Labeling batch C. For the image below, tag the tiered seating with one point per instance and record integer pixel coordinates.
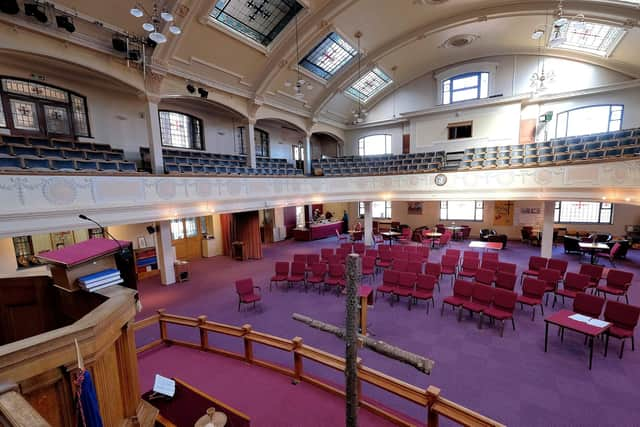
(388, 164)
(202, 162)
(603, 146)
(47, 155)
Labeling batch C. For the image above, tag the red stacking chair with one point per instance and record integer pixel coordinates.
(506, 280)
(550, 278)
(348, 247)
(405, 286)
(454, 253)
(470, 254)
(342, 253)
(359, 248)
(410, 249)
(414, 267)
(489, 264)
(588, 305)
(246, 293)
(282, 273)
(442, 241)
(504, 302)
(558, 264)
(624, 318)
(610, 256)
(368, 268)
(377, 240)
(617, 283)
(297, 274)
(335, 259)
(335, 278)
(449, 266)
(573, 284)
(300, 258)
(433, 269)
(399, 254)
(481, 298)
(532, 294)
(312, 259)
(405, 237)
(325, 253)
(399, 265)
(384, 261)
(484, 277)
(425, 284)
(389, 282)
(416, 257)
(371, 253)
(470, 267)
(507, 267)
(535, 264)
(341, 237)
(318, 274)
(491, 256)
(462, 291)
(594, 272)
(384, 250)
(423, 251)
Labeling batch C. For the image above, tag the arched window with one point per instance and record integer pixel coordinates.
(465, 87)
(374, 145)
(180, 130)
(262, 141)
(33, 108)
(589, 119)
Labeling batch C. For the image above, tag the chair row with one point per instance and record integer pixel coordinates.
(64, 165)
(59, 153)
(58, 143)
(229, 170)
(410, 285)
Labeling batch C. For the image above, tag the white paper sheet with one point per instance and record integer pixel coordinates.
(580, 318)
(164, 385)
(598, 323)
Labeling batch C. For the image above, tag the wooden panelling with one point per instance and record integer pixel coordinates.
(128, 372)
(406, 144)
(108, 390)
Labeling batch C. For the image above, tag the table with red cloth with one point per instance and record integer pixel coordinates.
(564, 321)
(318, 231)
(486, 245)
(188, 405)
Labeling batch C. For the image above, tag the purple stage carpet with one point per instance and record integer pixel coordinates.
(509, 379)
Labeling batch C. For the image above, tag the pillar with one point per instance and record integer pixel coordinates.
(154, 136)
(368, 223)
(165, 254)
(307, 154)
(251, 144)
(546, 245)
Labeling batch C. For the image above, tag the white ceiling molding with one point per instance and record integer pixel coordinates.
(614, 87)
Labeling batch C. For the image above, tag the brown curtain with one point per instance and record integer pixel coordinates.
(246, 226)
(226, 233)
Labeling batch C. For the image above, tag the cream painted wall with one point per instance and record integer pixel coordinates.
(353, 135)
(131, 232)
(281, 140)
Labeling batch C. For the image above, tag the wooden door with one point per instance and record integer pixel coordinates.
(186, 235)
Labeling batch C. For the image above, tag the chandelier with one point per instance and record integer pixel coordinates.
(301, 84)
(540, 79)
(154, 19)
(359, 113)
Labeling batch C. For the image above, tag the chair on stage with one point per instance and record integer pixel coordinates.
(246, 292)
(282, 274)
(533, 291)
(624, 318)
(502, 306)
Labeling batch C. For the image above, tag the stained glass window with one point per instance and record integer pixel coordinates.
(180, 130)
(589, 37)
(326, 59)
(260, 20)
(35, 90)
(369, 85)
(569, 212)
(79, 110)
(24, 115)
(57, 120)
(3, 121)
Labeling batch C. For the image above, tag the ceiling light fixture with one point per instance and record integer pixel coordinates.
(159, 15)
(359, 113)
(300, 83)
(540, 79)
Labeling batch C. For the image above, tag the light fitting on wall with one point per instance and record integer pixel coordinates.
(301, 84)
(158, 15)
(359, 113)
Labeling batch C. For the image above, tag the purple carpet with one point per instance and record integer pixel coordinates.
(510, 379)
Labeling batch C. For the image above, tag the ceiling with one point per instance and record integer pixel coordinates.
(400, 35)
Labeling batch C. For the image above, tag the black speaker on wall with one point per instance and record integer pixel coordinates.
(9, 6)
(119, 44)
(151, 229)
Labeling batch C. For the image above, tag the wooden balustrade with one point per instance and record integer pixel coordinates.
(430, 398)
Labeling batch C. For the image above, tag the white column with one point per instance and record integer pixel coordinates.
(368, 223)
(251, 144)
(546, 245)
(307, 154)
(165, 253)
(155, 139)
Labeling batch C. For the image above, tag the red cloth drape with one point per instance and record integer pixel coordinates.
(226, 233)
(246, 226)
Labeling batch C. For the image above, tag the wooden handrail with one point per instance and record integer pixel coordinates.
(430, 398)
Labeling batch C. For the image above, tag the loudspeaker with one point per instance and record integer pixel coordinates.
(32, 9)
(151, 229)
(119, 44)
(9, 6)
(65, 22)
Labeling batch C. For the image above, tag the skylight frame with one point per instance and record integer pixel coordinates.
(385, 81)
(608, 43)
(233, 23)
(332, 43)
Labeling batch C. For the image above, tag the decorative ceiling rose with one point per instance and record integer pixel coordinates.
(460, 40)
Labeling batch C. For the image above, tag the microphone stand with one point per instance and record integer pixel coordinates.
(104, 231)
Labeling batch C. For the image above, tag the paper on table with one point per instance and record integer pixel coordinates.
(580, 318)
(164, 385)
(598, 323)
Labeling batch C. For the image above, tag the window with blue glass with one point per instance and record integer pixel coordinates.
(328, 57)
(465, 87)
(589, 119)
(260, 20)
(369, 85)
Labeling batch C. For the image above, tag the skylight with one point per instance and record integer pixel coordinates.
(326, 59)
(369, 85)
(588, 37)
(260, 20)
